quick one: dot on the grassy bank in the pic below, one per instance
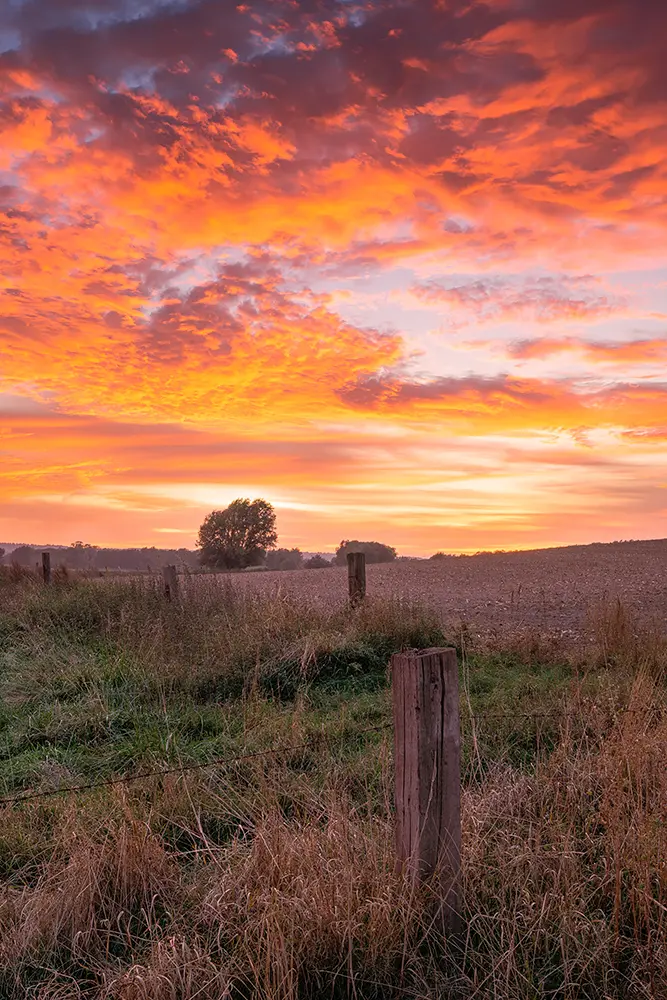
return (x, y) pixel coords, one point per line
(273, 876)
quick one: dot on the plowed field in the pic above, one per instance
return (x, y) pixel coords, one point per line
(559, 591)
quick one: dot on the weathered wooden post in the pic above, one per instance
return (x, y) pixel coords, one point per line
(356, 577)
(46, 567)
(427, 756)
(170, 581)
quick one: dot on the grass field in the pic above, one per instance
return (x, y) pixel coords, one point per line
(273, 876)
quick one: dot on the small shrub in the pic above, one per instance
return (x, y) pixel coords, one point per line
(375, 552)
(317, 562)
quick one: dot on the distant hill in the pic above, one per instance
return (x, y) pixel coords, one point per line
(621, 545)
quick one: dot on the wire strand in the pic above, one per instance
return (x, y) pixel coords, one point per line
(181, 768)
(223, 761)
(560, 714)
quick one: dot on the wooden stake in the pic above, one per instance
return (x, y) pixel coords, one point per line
(427, 756)
(46, 567)
(170, 580)
(356, 577)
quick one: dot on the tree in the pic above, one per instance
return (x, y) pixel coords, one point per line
(317, 562)
(375, 552)
(80, 555)
(284, 559)
(24, 555)
(238, 536)
(2, 555)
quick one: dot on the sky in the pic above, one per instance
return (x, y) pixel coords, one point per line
(397, 266)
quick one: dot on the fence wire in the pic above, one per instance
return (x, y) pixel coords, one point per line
(182, 768)
(291, 748)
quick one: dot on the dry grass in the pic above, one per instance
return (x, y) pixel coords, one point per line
(274, 877)
(565, 887)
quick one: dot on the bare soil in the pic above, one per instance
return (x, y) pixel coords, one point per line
(557, 591)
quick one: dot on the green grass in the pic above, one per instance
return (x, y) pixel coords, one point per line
(88, 690)
(86, 694)
(273, 876)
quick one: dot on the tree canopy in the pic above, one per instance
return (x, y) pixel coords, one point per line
(238, 536)
(375, 552)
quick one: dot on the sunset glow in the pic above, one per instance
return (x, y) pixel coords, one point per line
(398, 267)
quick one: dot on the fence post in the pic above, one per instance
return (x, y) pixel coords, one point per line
(170, 581)
(427, 756)
(46, 567)
(356, 577)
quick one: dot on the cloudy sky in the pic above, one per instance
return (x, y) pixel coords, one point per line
(397, 266)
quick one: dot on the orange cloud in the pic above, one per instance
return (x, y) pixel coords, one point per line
(543, 299)
(632, 352)
(122, 482)
(235, 348)
(484, 405)
(195, 199)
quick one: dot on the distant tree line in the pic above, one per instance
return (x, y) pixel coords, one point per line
(92, 558)
(243, 536)
(89, 558)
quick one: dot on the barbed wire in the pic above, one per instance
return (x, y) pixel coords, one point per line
(290, 748)
(562, 713)
(182, 768)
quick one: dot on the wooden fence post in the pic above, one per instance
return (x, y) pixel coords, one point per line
(46, 567)
(170, 580)
(356, 577)
(427, 756)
